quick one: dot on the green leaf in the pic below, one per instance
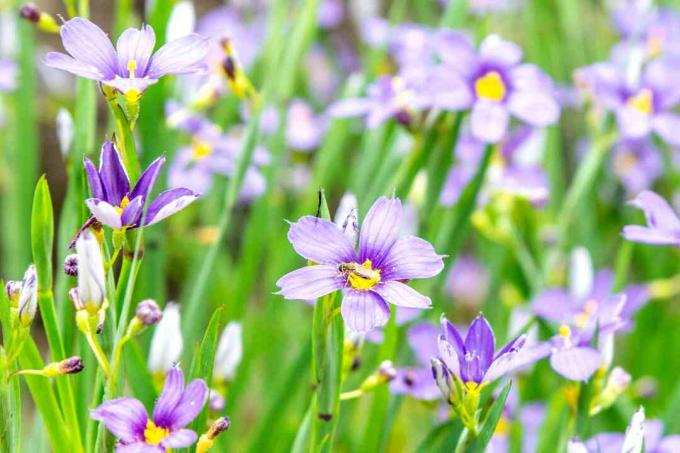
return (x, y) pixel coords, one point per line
(443, 438)
(489, 425)
(42, 234)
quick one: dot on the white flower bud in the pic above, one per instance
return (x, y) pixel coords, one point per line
(580, 272)
(28, 297)
(346, 217)
(64, 131)
(91, 279)
(182, 21)
(229, 352)
(167, 344)
(635, 433)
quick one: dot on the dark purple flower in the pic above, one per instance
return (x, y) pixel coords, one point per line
(417, 381)
(475, 361)
(175, 408)
(663, 225)
(115, 205)
(369, 278)
(132, 66)
(492, 83)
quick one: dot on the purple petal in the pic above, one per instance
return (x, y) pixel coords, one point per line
(135, 45)
(633, 123)
(455, 50)
(310, 282)
(411, 258)
(125, 417)
(480, 342)
(553, 304)
(148, 179)
(139, 447)
(380, 230)
(181, 56)
(94, 180)
(112, 172)
(667, 125)
(448, 89)
(450, 355)
(658, 212)
(669, 444)
(422, 338)
(576, 364)
(451, 335)
(88, 44)
(535, 107)
(489, 121)
(496, 50)
(320, 241)
(363, 311)
(104, 213)
(402, 295)
(67, 63)
(164, 411)
(168, 203)
(190, 405)
(350, 107)
(530, 77)
(646, 235)
(504, 362)
(132, 212)
(179, 439)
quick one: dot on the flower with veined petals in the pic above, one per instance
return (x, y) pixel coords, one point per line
(130, 68)
(115, 205)
(663, 225)
(369, 278)
(175, 408)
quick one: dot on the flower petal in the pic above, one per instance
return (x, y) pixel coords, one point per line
(644, 235)
(94, 180)
(125, 417)
(88, 44)
(411, 257)
(667, 125)
(168, 203)
(380, 230)
(480, 342)
(104, 213)
(534, 107)
(489, 121)
(164, 410)
(422, 338)
(113, 174)
(124, 84)
(504, 362)
(497, 50)
(576, 364)
(363, 311)
(181, 56)
(350, 107)
(190, 405)
(67, 63)
(179, 439)
(455, 49)
(658, 212)
(139, 447)
(320, 241)
(632, 123)
(450, 334)
(402, 295)
(135, 45)
(144, 186)
(310, 282)
(133, 212)
(450, 355)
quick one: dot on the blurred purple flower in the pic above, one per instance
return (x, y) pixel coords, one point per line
(331, 13)
(131, 67)
(8, 75)
(417, 381)
(637, 163)
(175, 408)
(492, 83)
(468, 282)
(304, 129)
(655, 30)
(654, 440)
(115, 205)
(663, 225)
(369, 278)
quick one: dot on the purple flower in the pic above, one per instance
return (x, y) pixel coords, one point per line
(176, 407)
(115, 205)
(132, 66)
(641, 25)
(304, 129)
(331, 13)
(8, 75)
(468, 282)
(417, 381)
(637, 163)
(654, 440)
(369, 278)
(663, 225)
(493, 84)
(474, 361)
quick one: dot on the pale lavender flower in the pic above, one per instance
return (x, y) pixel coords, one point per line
(468, 282)
(175, 408)
(132, 66)
(369, 278)
(641, 25)
(114, 204)
(304, 129)
(417, 380)
(331, 13)
(638, 163)
(663, 225)
(8, 75)
(493, 83)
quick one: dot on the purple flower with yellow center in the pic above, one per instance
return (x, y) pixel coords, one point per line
(132, 66)
(175, 408)
(663, 225)
(474, 361)
(417, 380)
(493, 83)
(637, 163)
(641, 25)
(115, 205)
(369, 278)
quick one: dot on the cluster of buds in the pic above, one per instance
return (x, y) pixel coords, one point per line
(207, 439)
(23, 298)
(41, 19)
(71, 265)
(71, 365)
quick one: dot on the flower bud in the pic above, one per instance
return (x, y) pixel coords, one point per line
(205, 442)
(71, 265)
(166, 344)
(91, 279)
(64, 131)
(229, 352)
(30, 12)
(148, 312)
(442, 378)
(617, 383)
(72, 365)
(74, 295)
(216, 401)
(28, 297)
(384, 374)
(44, 21)
(13, 288)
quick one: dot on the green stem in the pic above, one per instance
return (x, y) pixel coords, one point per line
(98, 353)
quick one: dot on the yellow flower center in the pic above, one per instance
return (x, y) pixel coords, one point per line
(201, 149)
(403, 96)
(642, 101)
(361, 276)
(490, 86)
(153, 435)
(564, 331)
(654, 46)
(133, 95)
(132, 67)
(123, 204)
(589, 309)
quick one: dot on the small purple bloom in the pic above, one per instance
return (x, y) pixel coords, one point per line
(132, 66)
(304, 129)
(468, 282)
(176, 407)
(474, 360)
(115, 205)
(663, 225)
(8, 75)
(637, 163)
(331, 13)
(369, 278)
(417, 381)
(493, 84)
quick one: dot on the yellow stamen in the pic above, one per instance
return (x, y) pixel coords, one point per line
(123, 204)
(153, 435)
(132, 67)
(201, 150)
(643, 101)
(564, 331)
(490, 86)
(361, 276)
(133, 95)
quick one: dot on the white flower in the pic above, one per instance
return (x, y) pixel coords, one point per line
(635, 433)
(182, 21)
(91, 279)
(28, 297)
(229, 352)
(166, 344)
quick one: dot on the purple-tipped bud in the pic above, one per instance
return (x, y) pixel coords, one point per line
(12, 288)
(148, 312)
(229, 67)
(403, 117)
(71, 265)
(216, 401)
(72, 365)
(74, 295)
(30, 12)
(441, 377)
(387, 370)
(221, 425)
